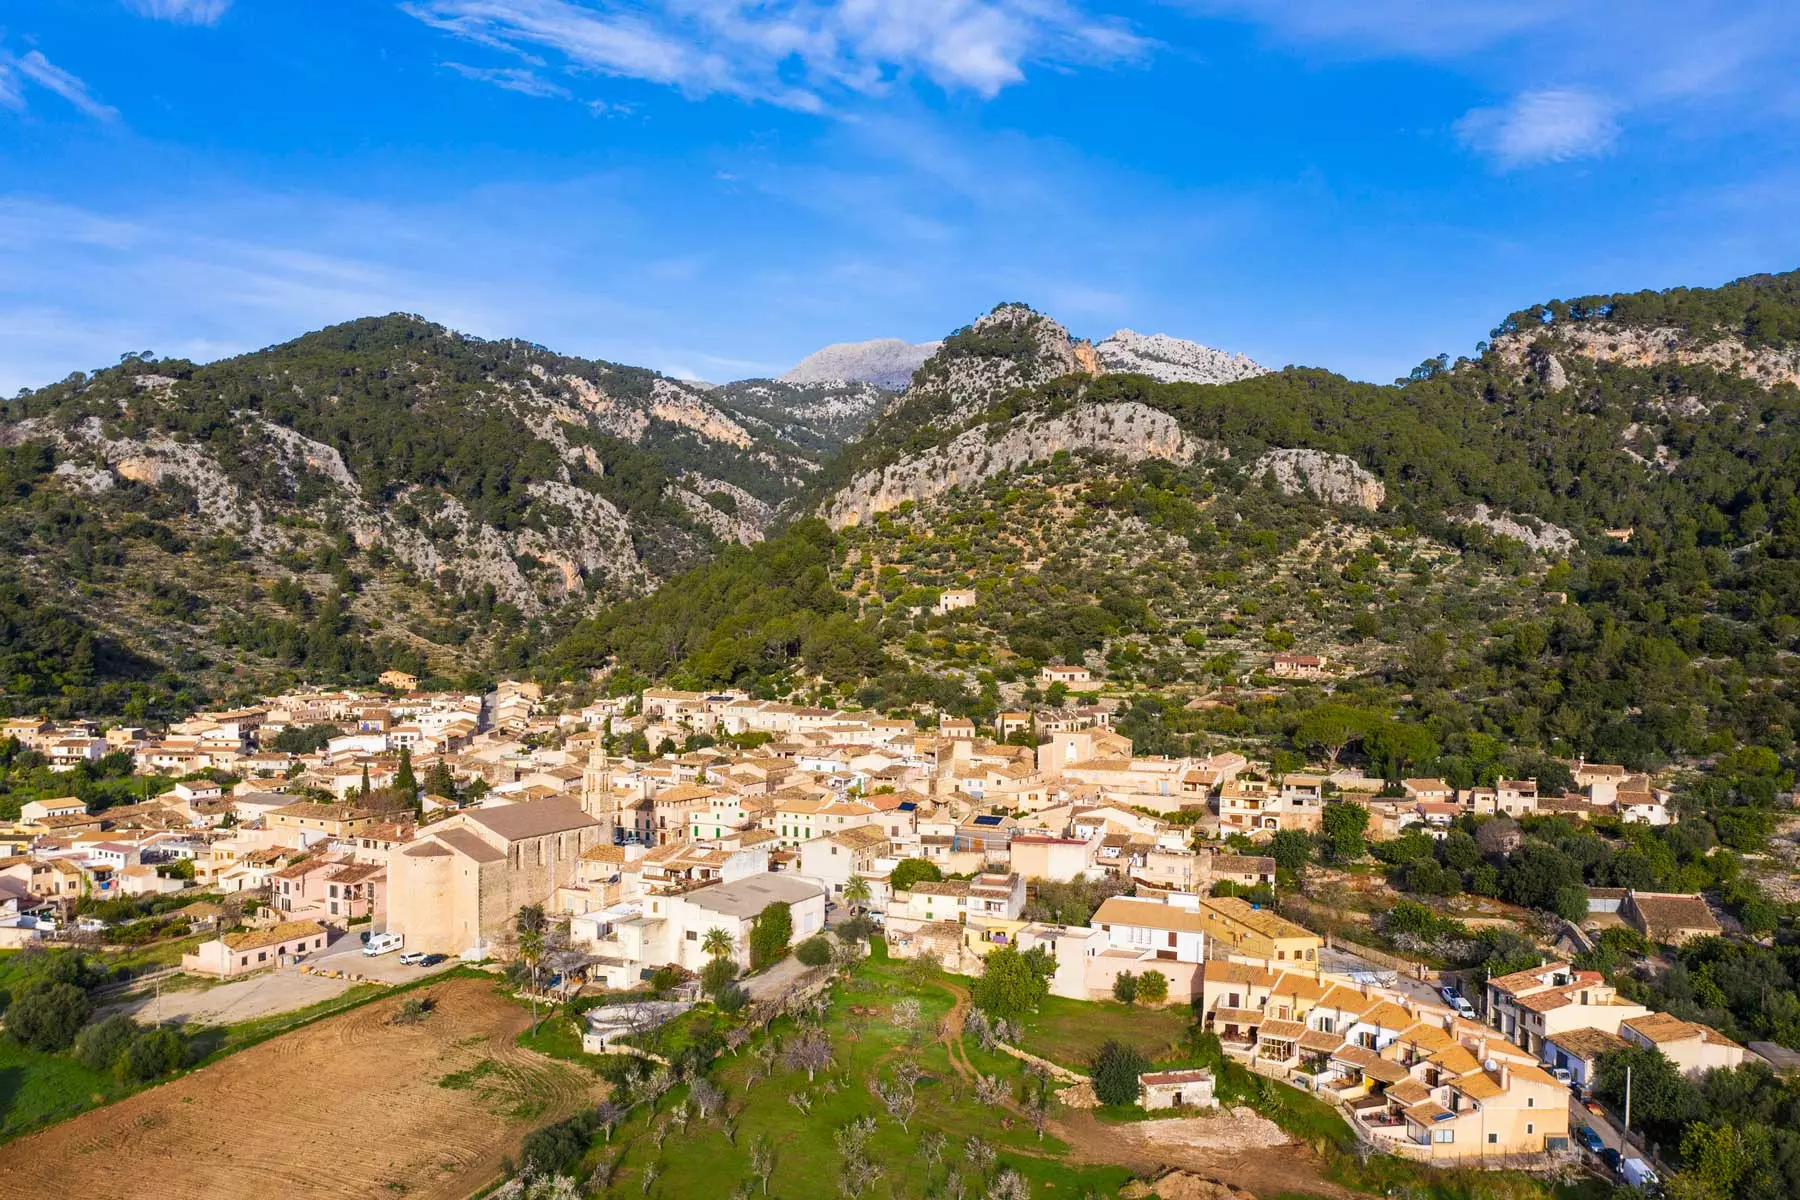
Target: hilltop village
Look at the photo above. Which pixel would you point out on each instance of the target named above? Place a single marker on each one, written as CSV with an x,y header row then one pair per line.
x,y
437,817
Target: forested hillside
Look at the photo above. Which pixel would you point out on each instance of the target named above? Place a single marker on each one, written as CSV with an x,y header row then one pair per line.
x,y
380,493
1655,619
1583,538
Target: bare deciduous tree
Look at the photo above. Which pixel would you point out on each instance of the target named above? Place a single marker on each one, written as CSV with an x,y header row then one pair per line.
x,y
762,1160
706,1096
905,1013
1009,1185
809,1051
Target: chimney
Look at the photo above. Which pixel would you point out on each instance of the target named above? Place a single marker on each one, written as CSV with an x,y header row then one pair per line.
x,y
1505,1075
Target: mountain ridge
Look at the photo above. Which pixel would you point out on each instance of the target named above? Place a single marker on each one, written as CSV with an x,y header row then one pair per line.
x,y
335,503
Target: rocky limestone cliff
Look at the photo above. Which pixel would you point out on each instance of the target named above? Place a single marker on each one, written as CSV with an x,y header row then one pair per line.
x,y
816,418
975,367
588,535
1636,347
1332,478
885,362
1132,432
1172,359
1537,535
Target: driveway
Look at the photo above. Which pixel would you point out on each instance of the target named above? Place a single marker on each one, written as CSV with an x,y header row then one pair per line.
x,y
344,953
1340,961
777,981
263,994
280,990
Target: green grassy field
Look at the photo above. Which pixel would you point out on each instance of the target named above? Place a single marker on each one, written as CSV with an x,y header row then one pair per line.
x,y
37,1089
1069,1032
701,1161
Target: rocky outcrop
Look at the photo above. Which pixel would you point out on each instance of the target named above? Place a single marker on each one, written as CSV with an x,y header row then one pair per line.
x,y
816,418
885,362
1132,432
1539,536
731,513
1172,359
582,534
1332,478
573,399
1637,347
1011,347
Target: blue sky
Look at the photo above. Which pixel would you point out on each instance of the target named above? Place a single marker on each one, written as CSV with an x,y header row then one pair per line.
x,y
717,187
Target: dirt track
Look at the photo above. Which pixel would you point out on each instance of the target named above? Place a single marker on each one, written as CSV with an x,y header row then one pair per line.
x,y
350,1106
1241,1149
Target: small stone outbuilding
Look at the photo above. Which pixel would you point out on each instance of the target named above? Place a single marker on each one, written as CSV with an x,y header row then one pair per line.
x,y
1178,1089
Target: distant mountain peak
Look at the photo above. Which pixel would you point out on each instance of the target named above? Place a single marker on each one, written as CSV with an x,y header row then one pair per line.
x,y
1173,359
887,362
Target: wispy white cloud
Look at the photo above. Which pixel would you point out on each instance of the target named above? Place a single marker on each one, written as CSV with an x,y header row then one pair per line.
x,y
1428,28
187,12
1701,67
514,79
1546,125
46,74
795,53
11,95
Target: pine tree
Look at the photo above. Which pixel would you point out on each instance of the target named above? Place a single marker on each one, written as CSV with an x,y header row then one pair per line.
x,y
439,782
365,781
403,776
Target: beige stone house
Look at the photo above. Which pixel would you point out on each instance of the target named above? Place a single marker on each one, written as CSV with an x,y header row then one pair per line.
x,y
1691,1046
463,880
255,949
1668,918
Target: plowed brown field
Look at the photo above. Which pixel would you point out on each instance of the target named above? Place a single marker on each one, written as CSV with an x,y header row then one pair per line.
x,y
350,1106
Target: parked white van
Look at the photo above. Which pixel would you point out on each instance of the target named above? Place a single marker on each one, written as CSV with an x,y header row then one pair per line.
x,y
383,943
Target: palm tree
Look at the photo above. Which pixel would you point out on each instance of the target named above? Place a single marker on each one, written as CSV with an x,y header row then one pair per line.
x,y
856,891
531,953
717,942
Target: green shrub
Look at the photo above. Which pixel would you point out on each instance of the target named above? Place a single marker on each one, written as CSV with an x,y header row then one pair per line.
x,y
856,929
815,951
717,973
101,1045
155,1053
47,1015
1153,987
1115,1071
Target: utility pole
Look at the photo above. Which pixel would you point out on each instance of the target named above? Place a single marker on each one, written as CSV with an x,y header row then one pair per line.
x,y
1627,1137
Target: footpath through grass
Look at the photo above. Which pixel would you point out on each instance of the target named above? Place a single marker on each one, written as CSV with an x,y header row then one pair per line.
x,y
800,1120
883,1018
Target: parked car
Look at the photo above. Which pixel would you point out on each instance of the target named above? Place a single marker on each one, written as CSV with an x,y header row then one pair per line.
x,y
1587,1136
1561,1074
1610,1157
1594,1107
1457,1001
413,958
383,943
1639,1174
432,960
365,937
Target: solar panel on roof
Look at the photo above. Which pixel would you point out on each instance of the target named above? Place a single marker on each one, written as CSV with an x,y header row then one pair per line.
x,y
989,819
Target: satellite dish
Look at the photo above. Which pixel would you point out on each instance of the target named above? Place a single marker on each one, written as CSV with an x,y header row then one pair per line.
x,y
1491,1065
